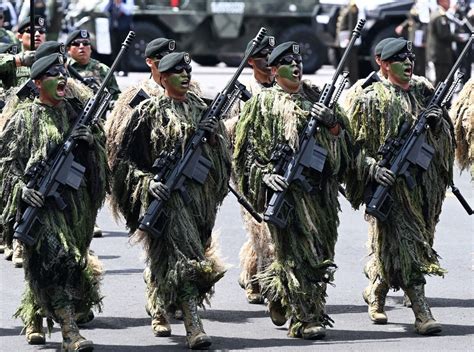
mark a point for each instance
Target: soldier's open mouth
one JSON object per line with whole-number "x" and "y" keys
{"x": 61, "y": 89}
{"x": 296, "y": 73}
{"x": 185, "y": 84}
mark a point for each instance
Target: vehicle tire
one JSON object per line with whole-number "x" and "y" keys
{"x": 145, "y": 33}
{"x": 313, "y": 51}
{"x": 384, "y": 33}
{"x": 206, "y": 60}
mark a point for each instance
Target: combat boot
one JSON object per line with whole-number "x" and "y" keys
{"x": 406, "y": 301}
{"x": 160, "y": 326}
{"x": 253, "y": 294}
{"x": 17, "y": 257}
{"x": 34, "y": 332}
{"x": 425, "y": 324}
{"x": 72, "y": 339}
{"x": 85, "y": 317}
{"x": 277, "y": 313}
{"x": 195, "y": 335}
{"x": 8, "y": 252}
{"x": 313, "y": 331}
{"x": 374, "y": 295}
{"x": 97, "y": 231}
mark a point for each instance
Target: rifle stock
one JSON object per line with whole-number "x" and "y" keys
{"x": 61, "y": 170}
{"x": 410, "y": 147}
{"x": 310, "y": 156}
{"x": 192, "y": 165}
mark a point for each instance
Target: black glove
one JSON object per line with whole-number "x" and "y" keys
{"x": 159, "y": 190}
{"x": 26, "y": 58}
{"x": 324, "y": 115}
{"x": 32, "y": 197}
{"x": 384, "y": 176}
{"x": 83, "y": 133}
{"x": 275, "y": 182}
{"x": 434, "y": 116}
{"x": 210, "y": 125}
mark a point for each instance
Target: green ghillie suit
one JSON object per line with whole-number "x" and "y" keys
{"x": 401, "y": 246}
{"x": 462, "y": 115}
{"x": 57, "y": 267}
{"x": 182, "y": 261}
{"x": 96, "y": 70}
{"x": 304, "y": 251}
{"x": 257, "y": 252}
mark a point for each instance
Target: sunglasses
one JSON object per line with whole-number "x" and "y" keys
{"x": 402, "y": 57}
{"x": 180, "y": 68}
{"x": 41, "y": 30}
{"x": 262, "y": 53}
{"x": 288, "y": 59}
{"x": 79, "y": 42}
{"x": 55, "y": 71}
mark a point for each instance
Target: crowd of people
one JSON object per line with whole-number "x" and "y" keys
{"x": 288, "y": 268}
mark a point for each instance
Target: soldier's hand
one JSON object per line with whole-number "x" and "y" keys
{"x": 210, "y": 125}
{"x": 324, "y": 115}
{"x": 26, "y": 58}
{"x": 384, "y": 176}
{"x": 275, "y": 182}
{"x": 32, "y": 197}
{"x": 159, "y": 190}
{"x": 83, "y": 133}
{"x": 434, "y": 116}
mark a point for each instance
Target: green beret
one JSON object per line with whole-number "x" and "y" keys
{"x": 78, "y": 33}
{"x": 174, "y": 59}
{"x": 281, "y": 50}
{"x": 379, "y": 47}
{"x": 158, "y": 46}
{"x": 43, "y": 64}
{"x": 267, "y": 42}
{"x": 398, "y": 45}
{"x": 8, "y": 48}
{"x": 48, "y": 48}
{"x": 39, "y": 22}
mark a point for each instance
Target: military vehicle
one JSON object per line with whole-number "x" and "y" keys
{"x": 211, "y": 30}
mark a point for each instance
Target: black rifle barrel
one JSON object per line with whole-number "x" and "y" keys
{"x": 32, "y": 25}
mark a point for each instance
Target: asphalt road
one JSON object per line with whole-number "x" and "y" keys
{"x": 234, "y": 324}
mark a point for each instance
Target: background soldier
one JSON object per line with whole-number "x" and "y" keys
{"x": 79, "y": 48}
{"x": 59, "y": 275}
{"x": 401, "y": 245}
{"x": 6, "y": 36}
{"x": 295, "y": 282}
{"x": 182, "y": 261}
{"x": 440, "y": 39}
{"x": 15, "y": 69}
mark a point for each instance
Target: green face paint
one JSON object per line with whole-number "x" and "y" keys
{"x": 177, "y": 84}
{"x": 50, "y": 87}
{"x": 402, "y": 71}
{"x": 286, "y": 71}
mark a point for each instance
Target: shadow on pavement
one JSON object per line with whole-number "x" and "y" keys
{"x": 115, "y": 234}
{"x": 233, "y": 316}
{"x": 124, "y": 271}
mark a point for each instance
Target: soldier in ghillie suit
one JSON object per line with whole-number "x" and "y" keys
{"x": 462, "y": 115}
{"x": 402, "y": 245}
{"x": 79, "y": 48}
{"x": 257, "y": 252}
{"x": 295, "y": 282}
{"x": 183, "y": 262}
{"x": 73, "y": 90}
{"x": 60, "y": 279}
